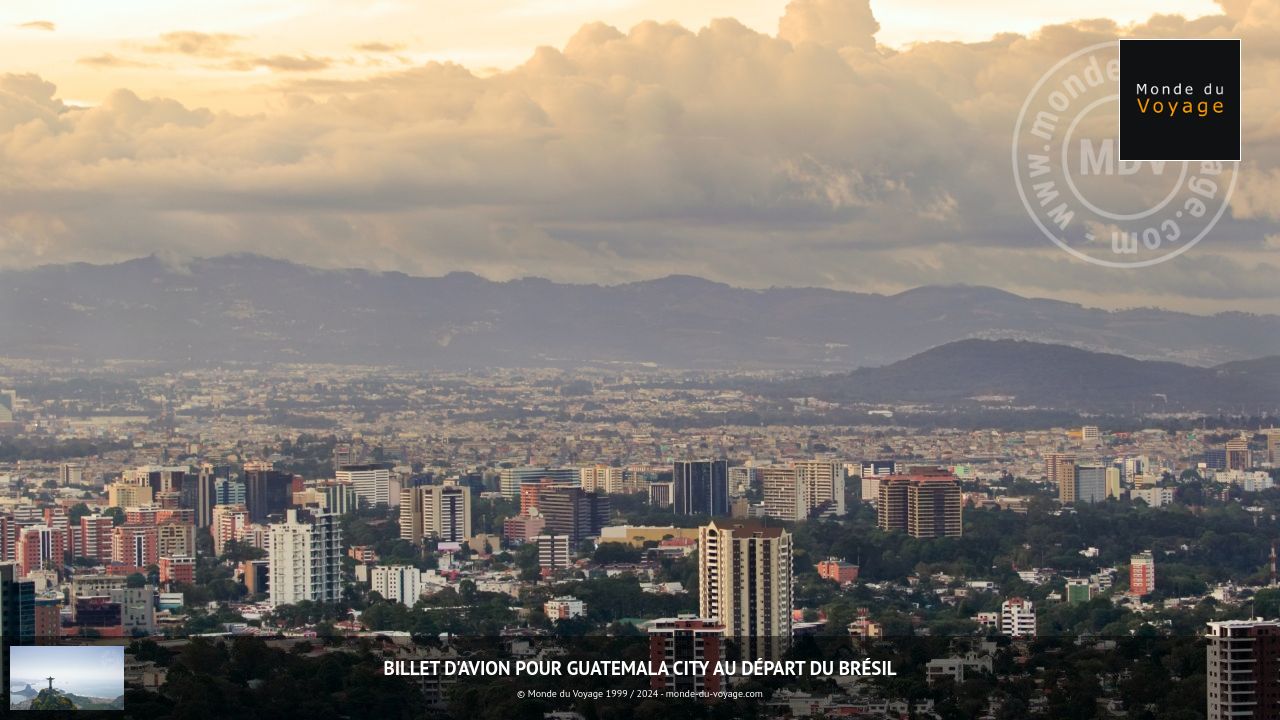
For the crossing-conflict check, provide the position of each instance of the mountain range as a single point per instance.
(977, 373)
(253, 308)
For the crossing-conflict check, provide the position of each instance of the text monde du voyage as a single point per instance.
(1179, 99)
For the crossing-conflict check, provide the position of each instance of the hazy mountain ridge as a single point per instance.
(246, 307)
(977, 372)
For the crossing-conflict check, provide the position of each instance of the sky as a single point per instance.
(833, 143)
(97, 671)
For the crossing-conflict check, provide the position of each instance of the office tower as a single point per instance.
(442, 512)
(1113, 475)
(305, 558)
(1018, 618)
(926, 504)
(267, 491)
(531, 492)
(70, 474)
(601, 479)
(371, 482)
(682, 639)
(17, 607)
(230, 522)
(123, 494)
(744, 583)
(95, 537)
(1238, 454)
(573, 512)
(331, 496)
(1090, 435)
(701, 487)
(742, 479)
(210, 479)
(399, 583)
(553, 553)
(39, 546)
(869, 474)
(1142, 574)
(802, 490)
(1091, 483)
(228, 492)
(825, 481)
(175, 538)
(160, 478)
(662, 494)
(344, 454)
(135, 546)
(1273, 445)
(785, 494)
(1242, 672)
(510, 480)
(1060, 472)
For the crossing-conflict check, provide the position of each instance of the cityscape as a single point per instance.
(306, 506)
(611, 359)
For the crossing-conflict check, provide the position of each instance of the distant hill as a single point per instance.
(977, 372)
(250, 308)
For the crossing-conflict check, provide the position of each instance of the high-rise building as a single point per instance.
(267, 491)
(1273, 445)
(554, 553)
(135, 546)
(70, 474)
(510, 480)
(371, 482)
(1090, 435)
(1060, 472)
(305, 557)
(925, 504)
(398, 583)
(1238, 454)
(802, 490)
(175, 539)
(331, 496)
(1018, 618)
(1091, 483)
(662, 494)
(573, 512)
(206, 496)
(39, 547)
(123, 494)
(95, 537)
(601, 478)
(230, 522)
(1142, 574)
(683, 639)
(701, 487)
(1242, 672)
(17, 606)
(442, 512)
(744, 583)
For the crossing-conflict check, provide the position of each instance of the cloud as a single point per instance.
(809, 157)
(199, 44)
(283, 63)
(379, 47)
(44, 25)
(832, 23)
(108, 60)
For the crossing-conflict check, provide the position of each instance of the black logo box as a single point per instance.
(1192, 63)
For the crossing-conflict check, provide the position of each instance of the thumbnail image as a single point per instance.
(66, 678)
